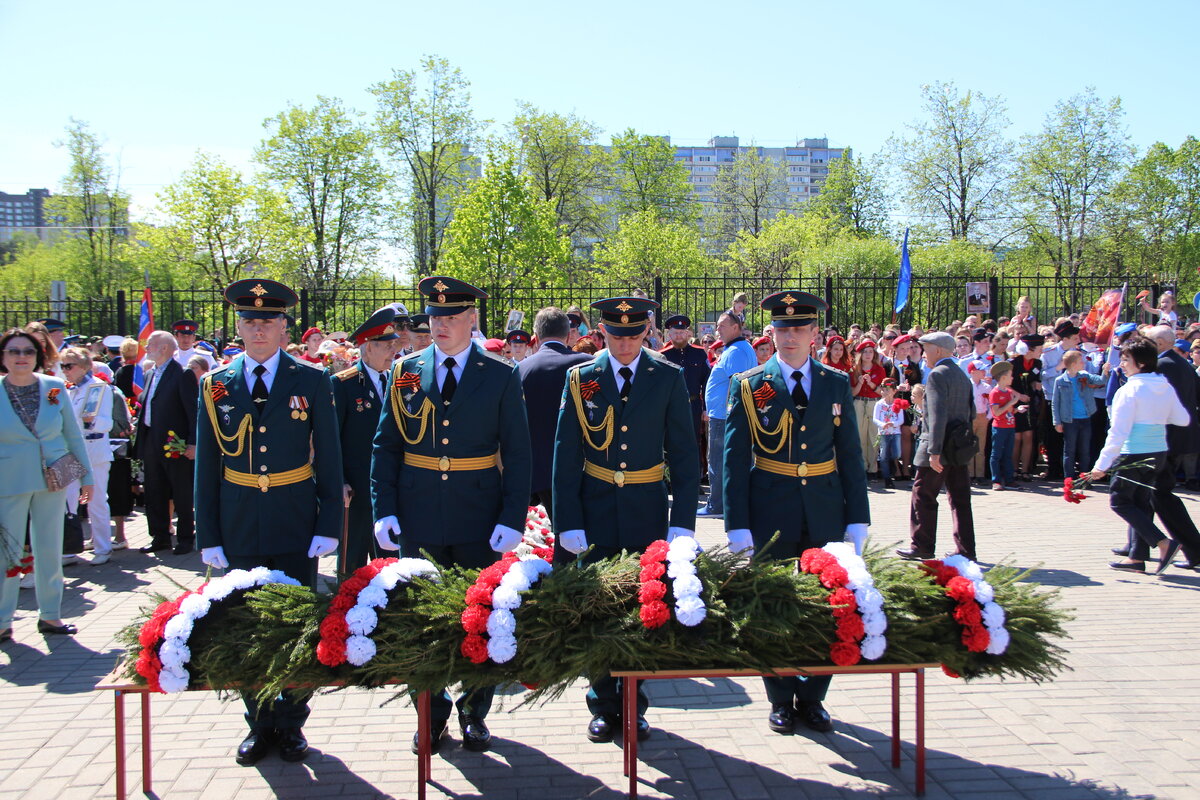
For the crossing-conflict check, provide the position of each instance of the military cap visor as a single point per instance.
(517, 337)
(379, 327)
(185, 326)
(113, 342)
(446, 296)
(625, 316)
(419, 323)
(679, 322)
(51, 324)
(793, 308)
(255, 298)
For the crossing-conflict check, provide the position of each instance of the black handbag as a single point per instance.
(960, 445)
(72, 534)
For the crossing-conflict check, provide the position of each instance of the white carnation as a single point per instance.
(984, 593)
(993, 615)
(359, 650)
(873, 647)
(998, 641)
(972, 572)
(523, 550)
(874, 622)
(218, 590)
(857, 577)
(239, 578)
(501, 622)
(538, 567)
(687, 585)
(388, 577)
(172, 682)
(502, 649)
(869, 599)
(841, 551)
(195, 606)
(361, 620)
(682, 548)
(373, 596)
(678, 569)
(260, 575)
(178, 627)
(279, 576)
(690, 610)
(505, 597)
(515, 579)
(958, 561)
(174, 651)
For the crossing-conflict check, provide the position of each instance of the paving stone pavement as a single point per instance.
(1124, 724)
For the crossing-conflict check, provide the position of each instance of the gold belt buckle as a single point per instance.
(802, 469)
(264, 482)
(444, 464)
(619, 478)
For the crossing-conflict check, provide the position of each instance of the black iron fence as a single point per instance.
(934, 301)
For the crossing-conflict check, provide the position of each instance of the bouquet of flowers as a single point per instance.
(175, 446)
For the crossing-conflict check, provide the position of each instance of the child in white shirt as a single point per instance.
(888, 420)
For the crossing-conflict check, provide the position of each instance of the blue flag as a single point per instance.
(905, 280)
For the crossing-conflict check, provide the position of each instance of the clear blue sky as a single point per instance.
(160, 80)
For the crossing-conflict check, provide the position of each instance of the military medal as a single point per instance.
(359, 401)
(837, 413)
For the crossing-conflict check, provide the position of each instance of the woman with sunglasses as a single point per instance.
(37, 427)
(92, 400)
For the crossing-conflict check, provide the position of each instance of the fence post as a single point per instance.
(122, 318)
(994, 297)
(303, 310)
(828, 301)
(483, 315)
(658, 290)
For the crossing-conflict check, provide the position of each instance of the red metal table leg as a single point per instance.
(424, 745)
(920, 675)
(630, 686)
(147, 754)
(895, 719)
(119, 712)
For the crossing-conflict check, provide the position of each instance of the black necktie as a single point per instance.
(627, 374)
(451, 383)
(259, 393)
(799, 396)
(382, 386)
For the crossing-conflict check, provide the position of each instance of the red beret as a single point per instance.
(901, 340)
(309, 333)
(864, 344)
(494, 345)
(761, 341)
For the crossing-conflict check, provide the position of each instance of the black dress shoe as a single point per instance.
(435, 739)
(815, 717)
(782, 719)
(292, 744)
(600, 729)
(254, 747)
(5, 635)
(183, 548)
(643, 729)
(66, 629)
(914, 555)
(1121, 551)
(1165, 561)
(475, 733)
(1129, 566)
(1182, 563)
(154, 547)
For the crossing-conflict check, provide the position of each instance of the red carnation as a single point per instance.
(976, 638)
(331, 652)
(945, 575)
(508, 558)
(850, 628)
(968, 613)
(151, 632)
(960, 589)
(474, 647)
(544, 553)
(352, 586)
(933, 564)
(814, 559)
(491, 576)
(148, 665)
(655, 551)
(843, 601)
(949, 672)
(652, 571)
(844, 654)
(834, 575)
(343, 603)
(380, 563)
(334, 627)
(477, 595)
(365, 573)
(475, 618)
(655, 614)
(651, 591)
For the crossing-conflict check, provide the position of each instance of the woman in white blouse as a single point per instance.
(92, 400)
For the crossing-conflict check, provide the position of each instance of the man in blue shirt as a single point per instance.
(737, 356)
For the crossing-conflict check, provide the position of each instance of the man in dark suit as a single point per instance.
(694, 363)
(359, 394)
(793, 465)
(620, 414)
(543, 377)
(1180, 441)
(948, 399)
(268, 478)
(454, 414)
(168, 414)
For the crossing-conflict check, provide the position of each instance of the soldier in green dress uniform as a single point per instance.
(359, 394)
(793, 465)
(625, 417)
(268, 477)
(454, 414)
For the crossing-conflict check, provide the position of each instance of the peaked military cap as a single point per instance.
(260, 298)
(185, 326)
(625, 316)
(52, 324)
(204, 345)
(1033, 339)
(379, 327)
(401, 312)
(679, 322)
(419, 323)
(113, 341)
(517, 336)
(574, 320)
(446, 296)
(793, 308)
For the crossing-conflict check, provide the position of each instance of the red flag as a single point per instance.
(145, 328)
(1102, 319)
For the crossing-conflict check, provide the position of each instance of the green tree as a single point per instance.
(425, 124)
(780, 250)
(322, 160)
(503, 235)
(853, 196)
(646, 177)
(747, 194)
(646, 247)
(1067, 172)
(955, 165)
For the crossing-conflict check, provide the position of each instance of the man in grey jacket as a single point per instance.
(947, 399)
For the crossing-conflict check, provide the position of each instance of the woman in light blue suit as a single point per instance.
(37, 426)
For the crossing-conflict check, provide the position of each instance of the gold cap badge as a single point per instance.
(624, 307)
(789, 299)
(258, 290)
(440, 286)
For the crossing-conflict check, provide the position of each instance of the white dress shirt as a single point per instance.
(272, 365)
(618, 366)
(805, 376)
(373, 376)
(460, 363)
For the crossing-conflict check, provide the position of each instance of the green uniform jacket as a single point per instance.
(359, 407)
(764, 502)
(486, 414)
(655, 424)
(245, 520)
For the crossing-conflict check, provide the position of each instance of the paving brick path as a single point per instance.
(1124, 724)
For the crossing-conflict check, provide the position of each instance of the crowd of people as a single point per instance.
(390, 437)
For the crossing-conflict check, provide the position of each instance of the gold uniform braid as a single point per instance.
(241, 435)
(783, 430)
(606, 425)
(400, 413)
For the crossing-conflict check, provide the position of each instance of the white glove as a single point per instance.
(740, 541)
(321, 545)
(856, 534)
(214, 557)
(504, 539)
(672, 532)
(387, 533)
(573, 541)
